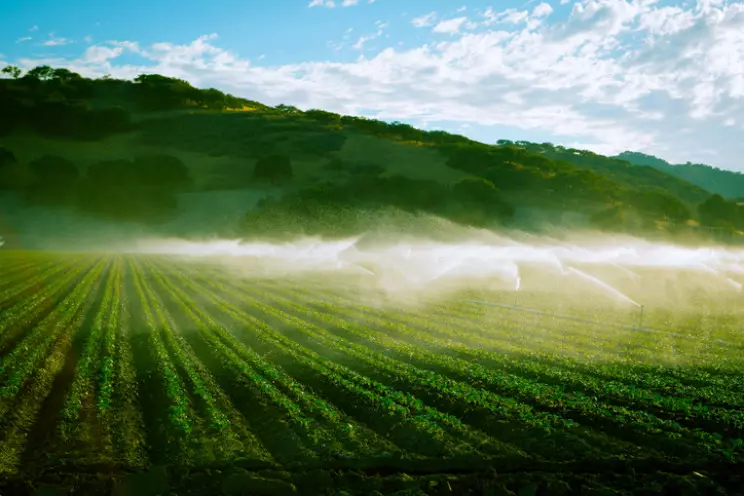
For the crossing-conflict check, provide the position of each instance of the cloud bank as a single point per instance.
(608, 75)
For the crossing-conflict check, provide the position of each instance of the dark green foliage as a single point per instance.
(163, 171)
(137, 203)
(327, 118)
(471, 159)
(367, 169)
(54, 169)
(619, 171)
(288, 109)
(321, 144)
(336, 164)
(719, 212)
(513, 168)
(7, 158)
(661, 205)
(60, 103)
(54, 180)
(475, 189)
(11, 174)
(75, 120)
(477, 201)
(724, 182)
(397, 130)
(42, 73)
(141, 190)
(111, 120)
(275, 168)
(335, 209)
(613, 217)
(157, 92)
(12, 71)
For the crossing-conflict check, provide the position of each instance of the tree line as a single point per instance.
(140, 190)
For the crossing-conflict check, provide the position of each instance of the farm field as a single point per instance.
(143, 374)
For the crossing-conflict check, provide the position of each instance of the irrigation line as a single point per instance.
(638, 328)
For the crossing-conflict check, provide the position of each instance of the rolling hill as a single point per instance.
(137, 151)
(724, 182)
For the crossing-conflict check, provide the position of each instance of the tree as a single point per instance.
(660, 205)
(65, 75)
(475, 189)
(158, 92)
(480, 202)
(163, 171)
(276, 168)
(7, 158)
(288, 109)
(328, 118)
(54, 169)
(41, 73)
(108, 121)
(716, 211)
(12, 175)
(321, 143)
(54, 180)
(13, 71)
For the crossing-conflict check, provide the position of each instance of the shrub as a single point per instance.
(275, 168)
(321, 144)
(163, 171)
(54, 180)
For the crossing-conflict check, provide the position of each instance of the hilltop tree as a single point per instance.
(13, 71)
(41, 73)
(288, 109)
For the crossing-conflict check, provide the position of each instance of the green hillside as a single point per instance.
(723, 182)
(128, 150)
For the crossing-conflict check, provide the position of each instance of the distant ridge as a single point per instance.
(726, 183)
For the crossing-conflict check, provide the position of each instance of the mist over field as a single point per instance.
(607, 269)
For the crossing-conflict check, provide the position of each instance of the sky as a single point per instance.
(659, 77)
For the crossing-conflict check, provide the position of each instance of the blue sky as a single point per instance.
(661, 77)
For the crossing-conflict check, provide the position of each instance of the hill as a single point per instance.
(723, 182)
(137, 151)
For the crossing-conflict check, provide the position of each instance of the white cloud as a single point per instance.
(452, 26)
(333, 3)
(24, 38)
(56, 41)
(614, 75)
(425, 20)
(100, 54)
(34, 28)
(542, 10)
(359, 45)
(88, 39)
